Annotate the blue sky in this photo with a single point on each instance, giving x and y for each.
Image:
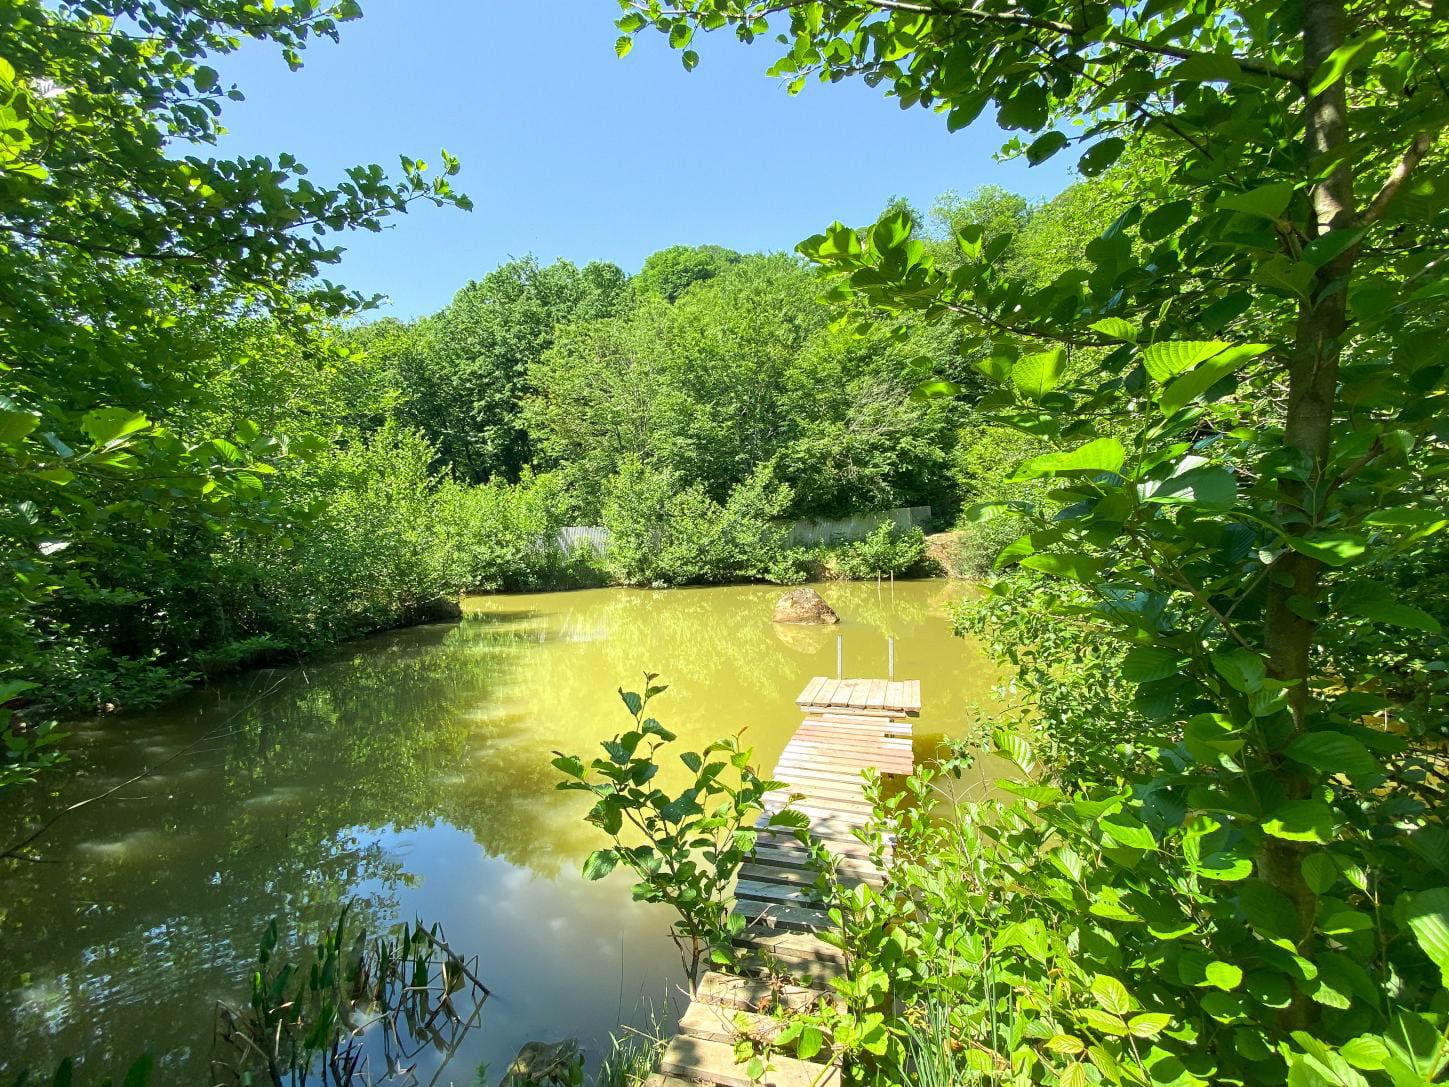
(571, 152)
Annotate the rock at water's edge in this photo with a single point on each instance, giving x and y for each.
(944, 550)
(804, 606)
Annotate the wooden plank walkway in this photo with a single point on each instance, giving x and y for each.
(849, 725)
(884, 697)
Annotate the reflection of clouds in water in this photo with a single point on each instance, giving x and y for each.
(557, 952)
(139, 845)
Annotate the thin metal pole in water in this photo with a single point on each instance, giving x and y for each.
(840, 656)
(890, 658)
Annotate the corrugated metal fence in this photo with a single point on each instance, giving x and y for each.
(802, 533)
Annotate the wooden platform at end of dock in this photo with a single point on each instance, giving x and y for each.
(886, 697)
(785, 965)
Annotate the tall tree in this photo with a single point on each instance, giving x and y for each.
(124, 246)
(469, 370)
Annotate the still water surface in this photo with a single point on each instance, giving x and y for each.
(410, 772)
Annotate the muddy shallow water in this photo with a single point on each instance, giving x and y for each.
(410, 772)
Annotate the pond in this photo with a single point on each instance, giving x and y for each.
(410, 772)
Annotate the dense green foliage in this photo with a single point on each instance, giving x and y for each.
(129, 256)
(1233, 868)
(207, 460)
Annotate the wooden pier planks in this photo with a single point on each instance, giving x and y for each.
(850, 726)
(884, 696)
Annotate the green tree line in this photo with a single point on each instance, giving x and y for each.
(213, 456)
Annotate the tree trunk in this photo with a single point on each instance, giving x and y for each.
(1312, 386)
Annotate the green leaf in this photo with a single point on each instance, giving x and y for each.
(1372, 600)
(1144, 664)
(623, 45)
(1267, 201)
(632, 700)
(790, 819)
(1101, 155)
(1348, 57)
(1101, 455)
(1319, 872)
(1333, 753)
(1268, 910)
(1074, 566)
(1243, 669)
(1183, 390)
(935, 389)
(1045, 146)
(105, 425)
(690, 59)
(1026, 108)
(1014, 746)
(1172, 357)
(1148, 1024)
(570, 765)
(1329, 547)
(15, 425)
(1208, 487)
(1111, 994)
(1428, 918)
(1301, 821)
(1128, 831)
(599, 864)
(1162, 221)
(810, 1043)
(1224, 975)
(1036, 375)
(1365, 1052)
(1116, 328)
(1226, 867)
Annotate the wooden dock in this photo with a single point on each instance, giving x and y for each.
(849, 726)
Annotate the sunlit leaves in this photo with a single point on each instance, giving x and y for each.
(1332, 752)
(1427, 913)
(1301, 821)
(1165, 360)
(1348, 57)
(1116, 328)
(1332, 548)
(1266, 201)
(1099, 455)
(1033, 376)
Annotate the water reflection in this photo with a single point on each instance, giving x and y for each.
(409, 771)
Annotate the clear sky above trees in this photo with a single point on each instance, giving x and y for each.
(569, 152)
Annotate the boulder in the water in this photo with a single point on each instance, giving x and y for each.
(540, 1064)
(804, 606)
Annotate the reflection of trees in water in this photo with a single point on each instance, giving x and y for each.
(154, 902)
(160, 894)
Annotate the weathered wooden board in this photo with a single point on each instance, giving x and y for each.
(754, 994)
(901, 696)
(717, 1023)
(782, 915)
(714, 1062)
(777, 892)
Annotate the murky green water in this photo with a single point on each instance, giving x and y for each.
(410, 772)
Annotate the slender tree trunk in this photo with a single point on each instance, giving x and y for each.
(1312, 386)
